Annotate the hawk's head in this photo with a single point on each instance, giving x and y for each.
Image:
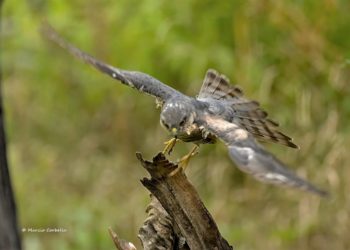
(177, 117)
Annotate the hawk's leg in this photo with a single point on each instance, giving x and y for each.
(183, 162)
(169, 145)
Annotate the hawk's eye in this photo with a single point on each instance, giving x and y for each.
(183, 121)
(164, 124)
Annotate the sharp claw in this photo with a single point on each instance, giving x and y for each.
(175, 171)
(169, 146)
(183, 162)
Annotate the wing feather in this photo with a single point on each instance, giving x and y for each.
(217, 86)
(252, 158)
(138, 80)
(265, 130)
(246, 113)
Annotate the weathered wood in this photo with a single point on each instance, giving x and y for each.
(159, 230)
(9, 236)
(120, 244)
(181, 201)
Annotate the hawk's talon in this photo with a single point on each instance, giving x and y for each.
(183, 162)
(169, 146)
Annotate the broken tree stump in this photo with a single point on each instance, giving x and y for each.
(184, 215)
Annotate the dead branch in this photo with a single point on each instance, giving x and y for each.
(120, 244)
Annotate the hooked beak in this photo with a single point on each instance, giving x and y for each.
(174, 131)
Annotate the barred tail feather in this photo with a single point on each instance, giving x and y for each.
(246, 113)
(265, 130)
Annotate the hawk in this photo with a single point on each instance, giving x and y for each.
(220, 111)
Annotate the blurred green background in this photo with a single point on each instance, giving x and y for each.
(73, 132)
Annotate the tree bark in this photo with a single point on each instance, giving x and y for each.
(159, 231)
(9, 236)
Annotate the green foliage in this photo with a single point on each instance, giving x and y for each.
(73, 131)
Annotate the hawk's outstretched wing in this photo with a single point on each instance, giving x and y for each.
(246, 113)
(251, 158)
(140, 81)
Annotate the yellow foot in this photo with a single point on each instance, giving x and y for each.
(169, 145)
(183, 163)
